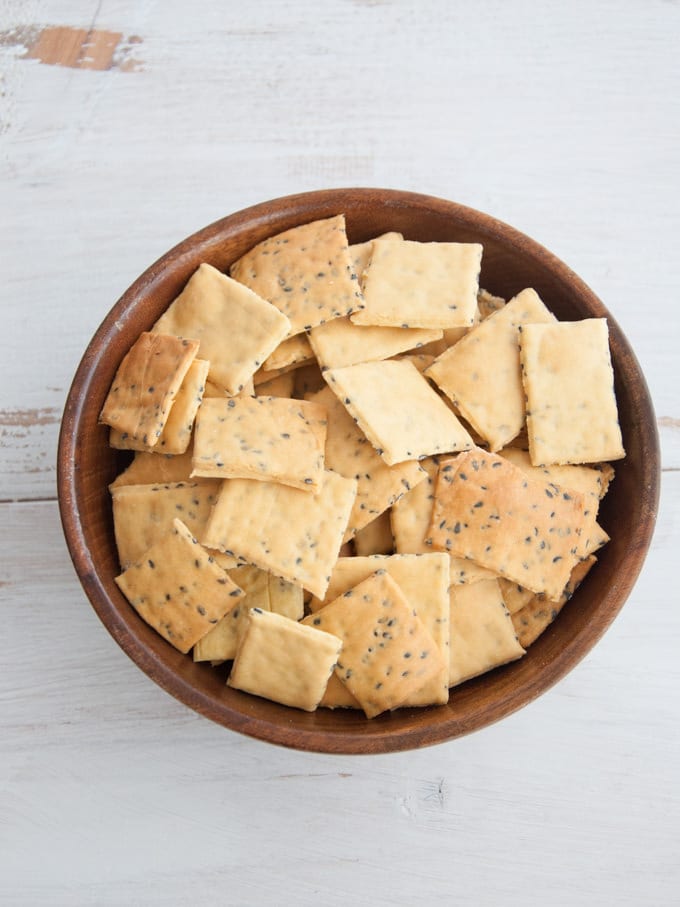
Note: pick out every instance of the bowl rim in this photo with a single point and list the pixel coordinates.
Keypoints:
(372, 739)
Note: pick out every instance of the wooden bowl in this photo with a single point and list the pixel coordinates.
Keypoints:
(511, 262)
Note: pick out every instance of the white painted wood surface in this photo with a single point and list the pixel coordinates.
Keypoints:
(560, 118)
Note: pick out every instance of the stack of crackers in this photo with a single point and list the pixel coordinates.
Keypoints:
(358, 477)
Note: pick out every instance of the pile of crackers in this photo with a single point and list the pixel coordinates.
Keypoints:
(357, 477)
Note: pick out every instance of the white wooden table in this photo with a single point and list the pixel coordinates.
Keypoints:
(560, 118)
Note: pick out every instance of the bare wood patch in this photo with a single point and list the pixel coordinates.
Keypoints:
(27, 418)
(76, 48)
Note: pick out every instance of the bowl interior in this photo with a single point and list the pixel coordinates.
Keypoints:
(511, 262)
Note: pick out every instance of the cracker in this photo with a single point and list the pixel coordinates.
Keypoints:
(572, 416)
(361, 253)
(292, 351)
(583, 479)
(481, 373)
(142, 514)
(262, 376)
(151, 469)
(515, 597)
(236, 328)
(607, 472)
(220, 644)
(282, 660)
(587, 480)
(487, 303)
(482, 633)
(176, 435)
(261, 590)
(145, 386)
(375, 537)
(410, 521)
(424, 581)
(421, 285)
(349, 453)
(337, 696)
(281, 386)
(340, 342)
(537, 615)
(387, 654)
(420, 360)
(215, 390)
(306, 272)
(265, 438)
(524, 529)
(398, 411)
(178, 589)
(295, 534)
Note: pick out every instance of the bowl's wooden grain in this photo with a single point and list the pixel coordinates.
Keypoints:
(511, 261)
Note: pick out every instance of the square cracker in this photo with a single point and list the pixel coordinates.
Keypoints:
(341, 342)
(151, 469)
(306, 272)
(145, 386)
(349, 453)
(295, 534)
(142, 514)
(261, 590)
(572, 415)
(398, 411)
(482, 633)
(387, 654)
(584, 479)
(481, 373)
(361, 253)
(523, 529)
(236, 328)
(588, 480)
(538, 613)
(421, 285)
(176, 435)
(282, 660)
(424, 581)
(410, 520)
(178, 589)
(271, 439)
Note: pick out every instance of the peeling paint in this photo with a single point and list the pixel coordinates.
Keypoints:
(76, 48)
(26, 418)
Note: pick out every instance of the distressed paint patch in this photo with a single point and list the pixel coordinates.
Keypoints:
(26, 418)
(76, 48)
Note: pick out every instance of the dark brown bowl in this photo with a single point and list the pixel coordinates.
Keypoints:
(511, 262)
